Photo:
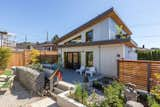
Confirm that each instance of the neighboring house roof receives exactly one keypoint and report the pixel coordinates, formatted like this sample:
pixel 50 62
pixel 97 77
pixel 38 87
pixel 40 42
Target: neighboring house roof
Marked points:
pixel 43 45
pixel 109 13
pixel 129 42
pixel 4 33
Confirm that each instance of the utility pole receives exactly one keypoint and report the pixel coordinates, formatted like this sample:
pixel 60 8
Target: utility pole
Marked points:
pixel 25 38
pixel 47 37
pixel 25 42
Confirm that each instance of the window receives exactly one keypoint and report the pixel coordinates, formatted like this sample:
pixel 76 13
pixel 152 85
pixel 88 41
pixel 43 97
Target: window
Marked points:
pixel 89 59
pixel 89 36
pixel 75 40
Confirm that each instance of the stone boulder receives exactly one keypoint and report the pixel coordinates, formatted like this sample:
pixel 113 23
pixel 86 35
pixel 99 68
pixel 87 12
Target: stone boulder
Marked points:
pixel 31 79
pixel 133 104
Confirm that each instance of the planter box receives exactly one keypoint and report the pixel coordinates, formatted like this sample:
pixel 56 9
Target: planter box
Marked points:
pixel 64 101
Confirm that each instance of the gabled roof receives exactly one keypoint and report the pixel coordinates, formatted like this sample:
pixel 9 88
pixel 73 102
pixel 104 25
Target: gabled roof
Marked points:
pixel 109 13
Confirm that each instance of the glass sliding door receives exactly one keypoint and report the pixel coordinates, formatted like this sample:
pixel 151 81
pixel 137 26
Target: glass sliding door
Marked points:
pixel 72 60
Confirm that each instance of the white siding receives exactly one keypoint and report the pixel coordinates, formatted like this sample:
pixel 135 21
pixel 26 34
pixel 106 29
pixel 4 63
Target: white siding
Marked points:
pixel 109 59
pixel 100 32
pixel 104 57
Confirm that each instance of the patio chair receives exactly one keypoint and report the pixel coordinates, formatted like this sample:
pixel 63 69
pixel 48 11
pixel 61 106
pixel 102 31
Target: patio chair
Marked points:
pixel 91 71
pixel 81 70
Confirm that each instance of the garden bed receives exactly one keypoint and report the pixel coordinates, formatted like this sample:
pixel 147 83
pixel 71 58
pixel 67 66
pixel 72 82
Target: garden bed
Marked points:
pixel 114 96
pixel 64 101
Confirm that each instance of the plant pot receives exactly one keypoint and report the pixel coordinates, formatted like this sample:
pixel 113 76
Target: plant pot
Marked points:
pixel 118 36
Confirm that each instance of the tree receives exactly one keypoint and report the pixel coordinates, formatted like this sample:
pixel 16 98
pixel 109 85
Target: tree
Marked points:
pixel 5 54
pixel 55 38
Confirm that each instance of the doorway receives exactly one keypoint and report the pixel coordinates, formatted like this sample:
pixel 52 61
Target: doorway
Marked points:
pixel 72 60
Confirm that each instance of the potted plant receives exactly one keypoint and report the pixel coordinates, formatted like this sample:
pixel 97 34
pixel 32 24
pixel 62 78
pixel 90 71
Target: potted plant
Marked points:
pixel 120 34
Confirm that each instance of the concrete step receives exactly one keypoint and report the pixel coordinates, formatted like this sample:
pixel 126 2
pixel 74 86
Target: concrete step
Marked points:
pixel 64 85
pixel 53 96
pixel 56 90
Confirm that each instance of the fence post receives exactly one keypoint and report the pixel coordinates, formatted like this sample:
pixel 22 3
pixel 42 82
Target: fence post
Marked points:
pixel 118 62
pixel 148 76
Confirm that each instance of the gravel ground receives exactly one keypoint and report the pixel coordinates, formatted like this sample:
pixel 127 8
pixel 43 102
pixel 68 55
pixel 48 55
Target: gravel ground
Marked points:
pixel 16 97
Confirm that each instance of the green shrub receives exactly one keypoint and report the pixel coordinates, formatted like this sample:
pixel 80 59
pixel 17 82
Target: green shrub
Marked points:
pixel 37 66
pixel 46 60
pixel 35 56
pixel 114 95
pixel 5 54
pixel 152 102
pixel 7 72
pixel 80 94
pixel 155 91
pixel 149 55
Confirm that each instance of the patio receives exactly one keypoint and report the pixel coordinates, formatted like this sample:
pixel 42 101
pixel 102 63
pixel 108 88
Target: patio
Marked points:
pixel 71 76
pixel 17 97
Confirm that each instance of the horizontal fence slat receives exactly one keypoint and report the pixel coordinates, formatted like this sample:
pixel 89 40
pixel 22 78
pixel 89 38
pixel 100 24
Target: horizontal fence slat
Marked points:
pixel 23 58
pixel 138 73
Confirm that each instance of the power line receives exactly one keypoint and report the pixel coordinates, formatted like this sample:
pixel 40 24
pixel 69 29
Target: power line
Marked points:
pixel 145 25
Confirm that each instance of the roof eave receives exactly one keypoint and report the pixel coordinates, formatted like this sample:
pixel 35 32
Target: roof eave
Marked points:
pixel 129 42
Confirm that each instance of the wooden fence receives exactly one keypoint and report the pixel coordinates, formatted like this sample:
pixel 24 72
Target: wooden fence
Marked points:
pixel 23 58
pixel 140 73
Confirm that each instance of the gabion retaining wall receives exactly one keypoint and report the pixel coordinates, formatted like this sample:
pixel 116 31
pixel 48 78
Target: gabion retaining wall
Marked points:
pixel 30 79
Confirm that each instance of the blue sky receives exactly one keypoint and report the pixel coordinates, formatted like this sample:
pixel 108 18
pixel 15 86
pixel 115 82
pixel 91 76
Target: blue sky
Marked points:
pixel 36 17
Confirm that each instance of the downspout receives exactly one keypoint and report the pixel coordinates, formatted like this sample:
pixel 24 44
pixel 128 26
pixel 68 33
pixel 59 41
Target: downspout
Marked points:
pixel 99 58
pixel 62 59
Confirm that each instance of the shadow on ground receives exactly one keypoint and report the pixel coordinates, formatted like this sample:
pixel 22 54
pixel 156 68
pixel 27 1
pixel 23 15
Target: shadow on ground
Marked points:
pixel 73 77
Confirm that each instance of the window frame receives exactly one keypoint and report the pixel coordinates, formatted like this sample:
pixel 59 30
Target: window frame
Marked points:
pixel 87 59
pixel 87 38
